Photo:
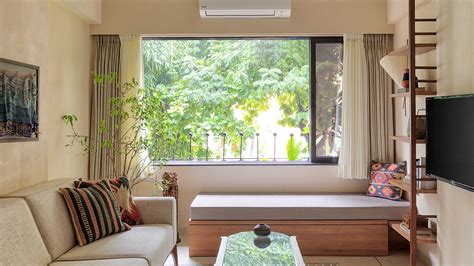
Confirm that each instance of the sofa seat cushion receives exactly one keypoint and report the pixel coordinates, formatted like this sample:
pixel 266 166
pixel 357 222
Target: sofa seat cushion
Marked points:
pixel 152 242
pixel 107 262
pixel 295 207
pixel 20 240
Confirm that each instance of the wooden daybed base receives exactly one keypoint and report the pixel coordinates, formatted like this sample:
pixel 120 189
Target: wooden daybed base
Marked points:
pixel 316 237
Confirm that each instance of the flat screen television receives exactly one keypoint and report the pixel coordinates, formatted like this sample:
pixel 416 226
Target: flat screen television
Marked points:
pixel 450 139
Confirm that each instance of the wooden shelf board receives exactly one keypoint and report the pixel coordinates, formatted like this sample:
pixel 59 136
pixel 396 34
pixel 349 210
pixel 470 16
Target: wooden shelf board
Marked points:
pixel 427 81
pixel 419 238
pixel 407 94
pixel 427 191
pixel 426 216
pixel 407 139
pixel 407 186
pixel 426 179
pixel 426 67
pixel 425 33
pixel 420 48
pixel 425 20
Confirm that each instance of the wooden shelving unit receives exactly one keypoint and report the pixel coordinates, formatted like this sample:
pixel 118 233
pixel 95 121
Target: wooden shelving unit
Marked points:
pixel 411 51
pixel 419 238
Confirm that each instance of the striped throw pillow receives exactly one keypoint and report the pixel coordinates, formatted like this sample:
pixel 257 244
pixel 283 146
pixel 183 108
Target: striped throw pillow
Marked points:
pixel 94 212
pixel 121 189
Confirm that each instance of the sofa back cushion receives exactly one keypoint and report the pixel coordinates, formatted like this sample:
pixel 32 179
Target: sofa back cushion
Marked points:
pixel 20 240
pixel 51 214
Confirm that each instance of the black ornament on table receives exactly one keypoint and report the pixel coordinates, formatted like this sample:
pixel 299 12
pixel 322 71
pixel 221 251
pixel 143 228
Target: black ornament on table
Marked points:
pixel 262 230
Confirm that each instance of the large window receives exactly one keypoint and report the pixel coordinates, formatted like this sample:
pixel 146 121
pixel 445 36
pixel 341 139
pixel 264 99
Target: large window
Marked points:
pixel 245 100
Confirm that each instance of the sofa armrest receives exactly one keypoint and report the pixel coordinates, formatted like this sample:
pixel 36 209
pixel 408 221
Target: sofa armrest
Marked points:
pixel 158 210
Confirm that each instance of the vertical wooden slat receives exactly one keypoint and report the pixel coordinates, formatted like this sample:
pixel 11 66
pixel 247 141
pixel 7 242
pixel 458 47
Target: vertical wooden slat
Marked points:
pixel 412 66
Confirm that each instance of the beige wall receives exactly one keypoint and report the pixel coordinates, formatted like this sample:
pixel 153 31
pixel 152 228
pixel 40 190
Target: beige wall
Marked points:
pixel 88 10
pixel 398 9
pixel 280 179
pixel 24 38
pixel 68 86
pixel 38 33
pixel 455 74
pixel 181 17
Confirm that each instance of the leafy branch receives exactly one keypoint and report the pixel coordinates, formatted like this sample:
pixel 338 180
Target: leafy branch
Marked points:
pixel 124 138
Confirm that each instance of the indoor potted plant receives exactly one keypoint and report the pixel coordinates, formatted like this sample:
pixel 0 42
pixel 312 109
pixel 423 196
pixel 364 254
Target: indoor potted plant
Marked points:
pixel 134 148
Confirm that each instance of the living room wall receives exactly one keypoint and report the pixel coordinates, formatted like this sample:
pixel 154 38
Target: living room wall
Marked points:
pixel 181 18
pixel 454 57
pixel 43 33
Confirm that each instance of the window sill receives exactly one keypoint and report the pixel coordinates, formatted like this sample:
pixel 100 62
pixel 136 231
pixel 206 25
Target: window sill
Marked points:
pixel 245 163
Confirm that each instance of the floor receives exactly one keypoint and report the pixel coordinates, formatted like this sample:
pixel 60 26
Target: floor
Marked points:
pixel 396 258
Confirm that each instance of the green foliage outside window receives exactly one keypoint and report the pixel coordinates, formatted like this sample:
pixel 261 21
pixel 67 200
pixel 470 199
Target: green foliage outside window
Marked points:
pixel 200 84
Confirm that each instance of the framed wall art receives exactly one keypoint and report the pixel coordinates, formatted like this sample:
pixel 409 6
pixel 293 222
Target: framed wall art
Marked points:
pixel 19 101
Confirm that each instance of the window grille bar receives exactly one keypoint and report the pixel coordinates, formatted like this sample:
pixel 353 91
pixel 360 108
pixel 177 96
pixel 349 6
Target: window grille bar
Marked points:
pixel 258 151
pixel 174 147
pixel 190 146
pixel 207 146
pixel 223 146
pixel 274 146
pixel 241 146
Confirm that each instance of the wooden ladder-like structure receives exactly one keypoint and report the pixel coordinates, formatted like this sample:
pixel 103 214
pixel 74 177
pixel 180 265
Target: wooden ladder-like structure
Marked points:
pixel 411 51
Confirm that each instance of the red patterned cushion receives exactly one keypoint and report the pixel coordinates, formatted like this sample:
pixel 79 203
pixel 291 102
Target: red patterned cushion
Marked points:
pixel 120 186
pixel 384 191
pixel 380 175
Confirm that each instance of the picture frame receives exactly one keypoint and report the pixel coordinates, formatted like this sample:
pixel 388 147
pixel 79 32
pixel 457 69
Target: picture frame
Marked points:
pixel 19 101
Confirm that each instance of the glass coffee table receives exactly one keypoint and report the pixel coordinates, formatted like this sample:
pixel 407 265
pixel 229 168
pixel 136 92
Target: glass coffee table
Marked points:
pixel 246 248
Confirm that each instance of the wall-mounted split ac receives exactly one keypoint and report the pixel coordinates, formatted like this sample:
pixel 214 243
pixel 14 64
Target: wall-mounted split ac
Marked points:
pixel 245 8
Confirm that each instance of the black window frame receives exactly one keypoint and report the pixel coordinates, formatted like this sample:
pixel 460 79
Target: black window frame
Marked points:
pixel 315 158
pixel 313 41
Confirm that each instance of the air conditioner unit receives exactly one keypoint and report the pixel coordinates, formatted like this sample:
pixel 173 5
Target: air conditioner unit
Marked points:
pixel 245 8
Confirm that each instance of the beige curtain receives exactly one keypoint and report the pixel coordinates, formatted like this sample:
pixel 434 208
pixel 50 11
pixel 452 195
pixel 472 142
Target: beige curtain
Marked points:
pixel 380 104
pixel 354 155
pixel 131 62
pixel 106 62
pixel 131 67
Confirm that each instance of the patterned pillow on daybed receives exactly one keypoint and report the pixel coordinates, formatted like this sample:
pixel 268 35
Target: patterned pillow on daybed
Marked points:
pixel 380 176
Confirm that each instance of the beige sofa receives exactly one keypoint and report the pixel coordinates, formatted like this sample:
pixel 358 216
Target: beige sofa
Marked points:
pixel 35 229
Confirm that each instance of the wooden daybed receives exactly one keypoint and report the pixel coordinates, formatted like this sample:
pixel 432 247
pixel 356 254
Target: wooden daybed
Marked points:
pixel 324 224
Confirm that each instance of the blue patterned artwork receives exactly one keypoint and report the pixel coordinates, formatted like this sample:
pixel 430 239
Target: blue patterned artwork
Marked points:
pixel 18 100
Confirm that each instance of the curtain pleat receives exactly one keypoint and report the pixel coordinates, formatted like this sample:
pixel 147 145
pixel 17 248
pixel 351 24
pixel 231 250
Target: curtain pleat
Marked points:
pixel 380 104
pixel 354 155
pixel 131 67
pixel 106 62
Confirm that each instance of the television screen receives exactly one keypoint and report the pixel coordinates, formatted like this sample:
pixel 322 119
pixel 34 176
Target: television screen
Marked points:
pixel 450 139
